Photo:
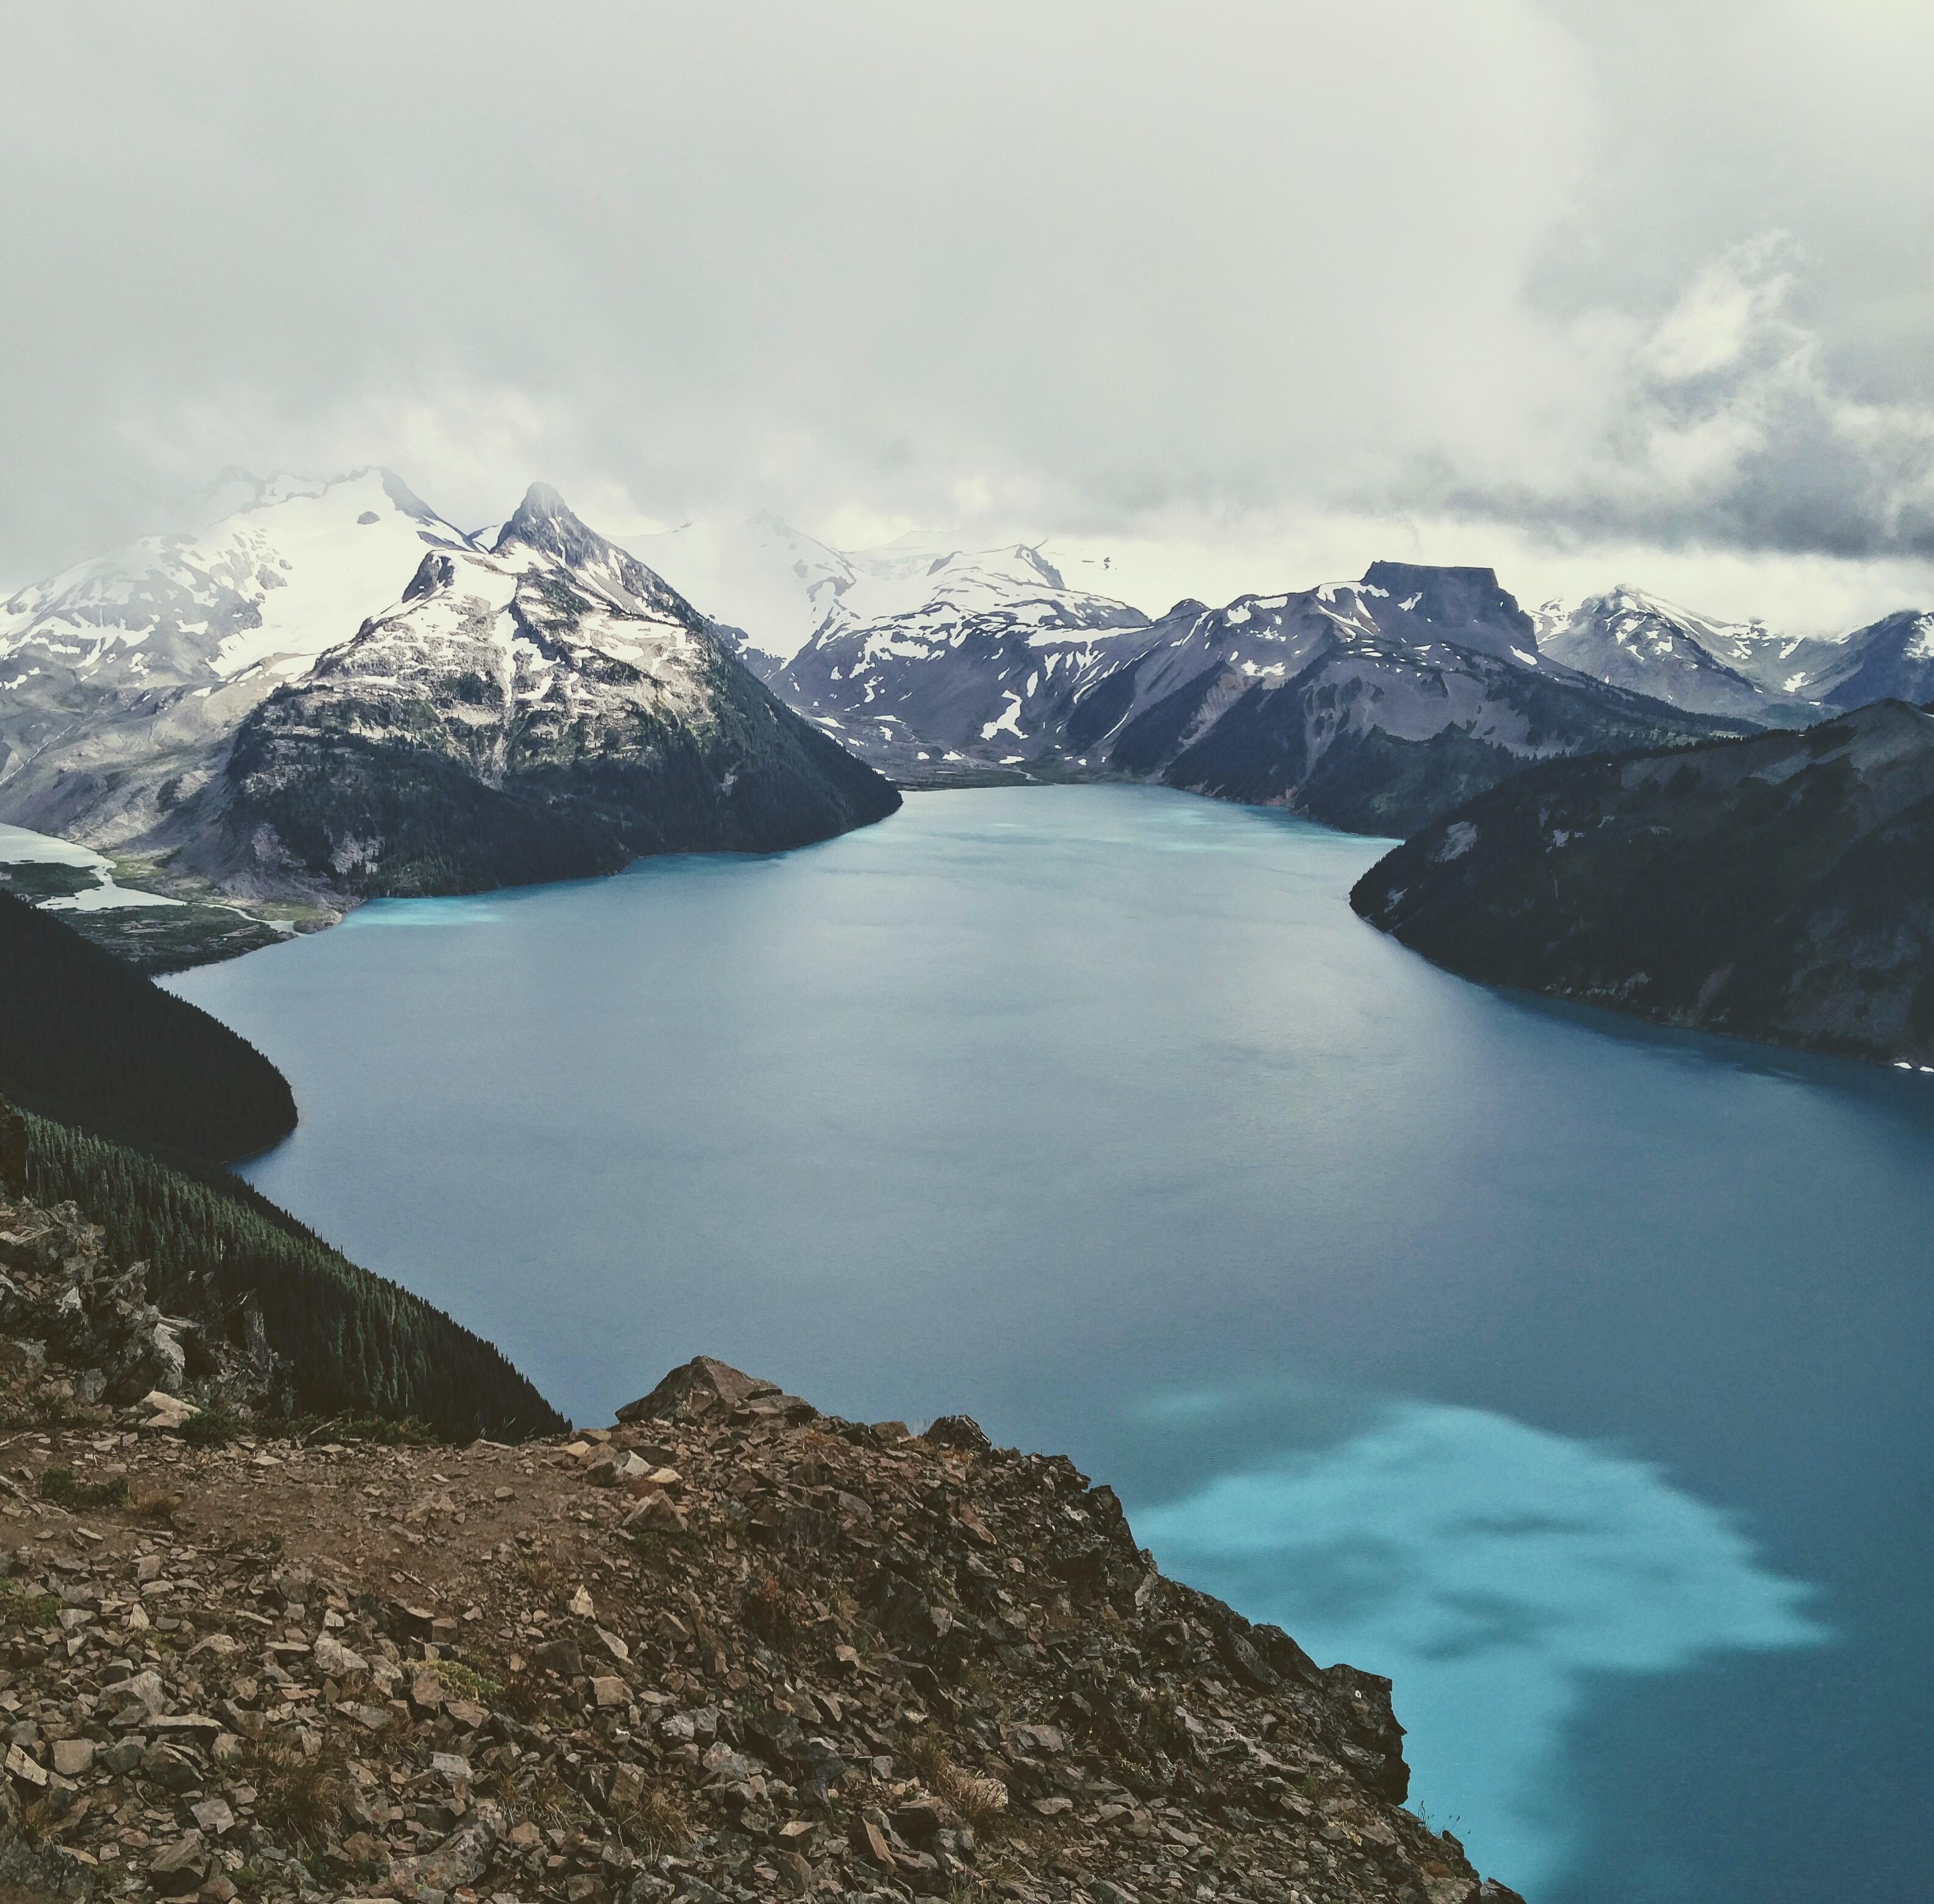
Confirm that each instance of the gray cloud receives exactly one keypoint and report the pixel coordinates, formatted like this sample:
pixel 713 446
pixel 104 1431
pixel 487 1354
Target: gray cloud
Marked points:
pixel 1106 270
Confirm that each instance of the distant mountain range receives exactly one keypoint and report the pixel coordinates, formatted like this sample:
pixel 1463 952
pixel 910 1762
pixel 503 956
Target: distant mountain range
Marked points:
pixel 335 692
pixel 1780 887
pixel 1371 705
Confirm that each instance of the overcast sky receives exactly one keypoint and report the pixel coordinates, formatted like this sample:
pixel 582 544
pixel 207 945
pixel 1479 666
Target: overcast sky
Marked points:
pixel 1248 293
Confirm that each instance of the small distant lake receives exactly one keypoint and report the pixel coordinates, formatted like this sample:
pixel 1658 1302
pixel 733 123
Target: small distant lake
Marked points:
pixel 1573 1375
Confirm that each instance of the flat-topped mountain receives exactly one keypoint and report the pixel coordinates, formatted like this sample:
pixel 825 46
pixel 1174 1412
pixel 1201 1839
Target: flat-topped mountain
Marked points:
pixel 1372 705
pixel 1777 888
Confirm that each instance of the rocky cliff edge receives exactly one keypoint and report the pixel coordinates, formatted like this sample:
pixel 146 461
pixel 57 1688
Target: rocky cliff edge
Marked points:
pixel 729 1648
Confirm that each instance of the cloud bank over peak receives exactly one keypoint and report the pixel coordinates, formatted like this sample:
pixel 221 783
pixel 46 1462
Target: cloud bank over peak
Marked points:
pixel 1229 287
pixel 1723 422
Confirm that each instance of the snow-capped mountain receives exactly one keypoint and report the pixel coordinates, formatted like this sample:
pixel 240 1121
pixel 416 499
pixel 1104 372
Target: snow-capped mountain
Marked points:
pixel 144 659
pixel 1370 705
pixel 335 691
pixel 932 656
pixel 1891 659
pixel 545 709
pixel 929 659
pixel 1707 666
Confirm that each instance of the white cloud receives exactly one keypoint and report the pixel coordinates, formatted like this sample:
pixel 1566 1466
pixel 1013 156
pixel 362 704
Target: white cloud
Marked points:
pixel 1214 283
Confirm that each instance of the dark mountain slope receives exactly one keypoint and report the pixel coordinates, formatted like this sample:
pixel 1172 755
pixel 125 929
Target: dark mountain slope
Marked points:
pixel 84 1038
pixel 1780 887
pixel 1891 659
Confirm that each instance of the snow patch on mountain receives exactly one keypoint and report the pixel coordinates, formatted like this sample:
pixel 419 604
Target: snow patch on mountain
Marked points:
pixel 1639 641
pixel 280 580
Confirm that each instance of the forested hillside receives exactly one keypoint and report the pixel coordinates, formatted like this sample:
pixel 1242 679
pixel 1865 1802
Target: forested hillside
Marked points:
pixel 354 1343
pixel 86 1039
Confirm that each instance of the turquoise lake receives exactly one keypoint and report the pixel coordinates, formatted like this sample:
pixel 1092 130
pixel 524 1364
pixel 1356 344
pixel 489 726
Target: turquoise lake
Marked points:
pixel 1572 1374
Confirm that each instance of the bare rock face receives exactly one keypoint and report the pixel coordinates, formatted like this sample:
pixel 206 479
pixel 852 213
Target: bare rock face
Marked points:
pixel 694 1387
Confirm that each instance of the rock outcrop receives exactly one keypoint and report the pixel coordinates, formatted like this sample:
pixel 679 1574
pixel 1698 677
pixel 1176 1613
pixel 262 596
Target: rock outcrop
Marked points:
pixel 76 1327
pixel 729 1649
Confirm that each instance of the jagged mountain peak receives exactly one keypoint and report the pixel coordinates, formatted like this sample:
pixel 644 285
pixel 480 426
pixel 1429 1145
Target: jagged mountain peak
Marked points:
pixel 545 520
pixel 544 523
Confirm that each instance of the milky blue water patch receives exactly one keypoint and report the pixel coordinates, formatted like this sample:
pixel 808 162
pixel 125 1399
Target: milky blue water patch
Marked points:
pixel 1003 1106
pixel 1494 1571
pixel 393 915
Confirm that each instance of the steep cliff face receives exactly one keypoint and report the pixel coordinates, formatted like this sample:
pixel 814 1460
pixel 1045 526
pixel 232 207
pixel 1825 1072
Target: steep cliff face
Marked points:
pixel 1780 887
pixel 547 710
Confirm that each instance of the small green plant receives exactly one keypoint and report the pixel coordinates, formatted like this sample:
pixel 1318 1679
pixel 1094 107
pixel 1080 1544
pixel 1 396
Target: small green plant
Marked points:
pixel 65 1489
pixel 461 1681
pixel 211 1428
pixel 18 1602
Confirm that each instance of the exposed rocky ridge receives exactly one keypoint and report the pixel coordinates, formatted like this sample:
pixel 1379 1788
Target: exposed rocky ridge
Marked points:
pixel 76 1328
pixel 730 1649
pixel 1780 887
pixel 231 1268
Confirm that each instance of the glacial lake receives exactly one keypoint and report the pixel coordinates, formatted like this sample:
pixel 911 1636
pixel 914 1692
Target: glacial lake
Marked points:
pixel 1574 1375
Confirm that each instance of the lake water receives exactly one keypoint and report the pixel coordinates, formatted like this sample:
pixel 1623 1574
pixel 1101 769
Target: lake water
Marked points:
pixel 1576 1376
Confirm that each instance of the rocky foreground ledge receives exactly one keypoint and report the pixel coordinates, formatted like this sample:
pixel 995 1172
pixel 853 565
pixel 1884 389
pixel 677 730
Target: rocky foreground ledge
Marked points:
pixel 729 1648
